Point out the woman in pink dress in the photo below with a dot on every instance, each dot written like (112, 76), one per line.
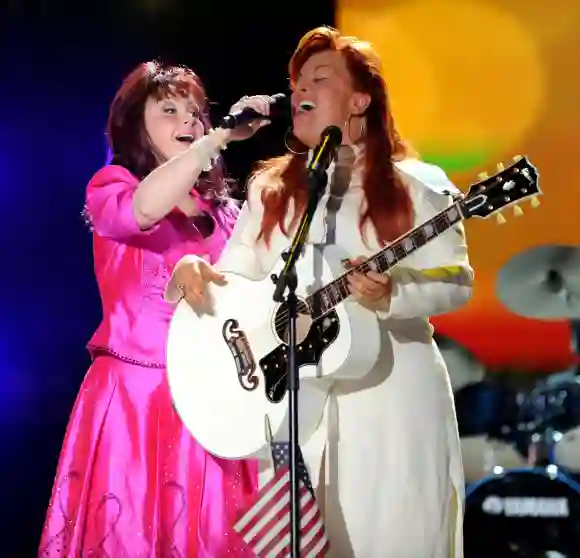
(131, 481)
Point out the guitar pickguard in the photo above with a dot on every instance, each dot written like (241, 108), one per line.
(323, 332)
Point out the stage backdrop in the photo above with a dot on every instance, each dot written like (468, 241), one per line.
(473, 84)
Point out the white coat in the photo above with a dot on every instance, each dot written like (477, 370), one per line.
(385, 460)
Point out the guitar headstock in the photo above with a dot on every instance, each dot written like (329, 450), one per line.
(505, 188)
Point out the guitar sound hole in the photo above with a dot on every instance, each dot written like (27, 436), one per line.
(303, 322)
(277, 381)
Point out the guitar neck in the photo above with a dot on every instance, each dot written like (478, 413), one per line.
(331, 295)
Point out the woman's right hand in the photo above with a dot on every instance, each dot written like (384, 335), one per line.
(261, 104)
(192, 279)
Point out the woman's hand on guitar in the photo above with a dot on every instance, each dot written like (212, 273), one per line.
(191, 279)
(372, 290)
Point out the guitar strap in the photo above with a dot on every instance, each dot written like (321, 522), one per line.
(339, 184)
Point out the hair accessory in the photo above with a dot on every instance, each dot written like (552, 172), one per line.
(151, 67)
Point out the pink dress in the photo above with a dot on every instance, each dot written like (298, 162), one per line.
(131, 481)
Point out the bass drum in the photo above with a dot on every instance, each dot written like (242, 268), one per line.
(525, 513)
(486, 416)
(486, 413)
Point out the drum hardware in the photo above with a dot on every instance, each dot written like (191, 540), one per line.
(540, 449)
(550, 423)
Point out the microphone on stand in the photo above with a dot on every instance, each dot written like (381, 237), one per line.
(288, 280)
(279, 107)
(324, 152)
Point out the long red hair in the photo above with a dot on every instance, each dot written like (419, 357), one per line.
(389, 206)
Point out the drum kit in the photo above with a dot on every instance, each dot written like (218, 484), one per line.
(521, 448)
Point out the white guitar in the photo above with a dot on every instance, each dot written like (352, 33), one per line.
(227, 368)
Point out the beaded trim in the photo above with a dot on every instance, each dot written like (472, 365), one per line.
(97, 351)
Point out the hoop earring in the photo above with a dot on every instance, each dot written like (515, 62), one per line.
(289, 132)
(362, 129)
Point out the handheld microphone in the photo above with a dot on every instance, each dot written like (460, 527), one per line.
(330, 139)
(279, 106)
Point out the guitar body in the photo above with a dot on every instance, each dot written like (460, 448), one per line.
(227, 367)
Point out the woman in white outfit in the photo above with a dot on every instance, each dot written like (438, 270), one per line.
(385, 459)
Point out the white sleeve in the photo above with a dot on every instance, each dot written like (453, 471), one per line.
(239, 255)
(441, 278)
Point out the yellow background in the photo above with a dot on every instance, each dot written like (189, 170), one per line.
(473, 84)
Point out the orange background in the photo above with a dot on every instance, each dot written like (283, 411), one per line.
(473, 84)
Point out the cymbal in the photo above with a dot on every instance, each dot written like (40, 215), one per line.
(464, 369)
(542, 283)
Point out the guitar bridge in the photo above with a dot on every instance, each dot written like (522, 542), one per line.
(238, 345)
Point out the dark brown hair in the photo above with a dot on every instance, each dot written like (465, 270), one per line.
(389, 205)
(128, 140)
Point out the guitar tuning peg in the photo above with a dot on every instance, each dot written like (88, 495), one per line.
(500, 167)
(534, 202)
(500, 219)
(517, 158)
(518, 212)
(482, 175)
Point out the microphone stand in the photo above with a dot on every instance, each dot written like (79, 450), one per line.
(288, 279)
(575, 327)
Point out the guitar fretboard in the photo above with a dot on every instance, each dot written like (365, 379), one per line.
(326, 298)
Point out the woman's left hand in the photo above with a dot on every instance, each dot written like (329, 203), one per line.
(372, 289)
(261, 104)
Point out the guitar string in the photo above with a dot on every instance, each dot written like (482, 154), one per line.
(438, 219)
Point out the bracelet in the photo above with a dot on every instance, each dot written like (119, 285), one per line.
(209, 146)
